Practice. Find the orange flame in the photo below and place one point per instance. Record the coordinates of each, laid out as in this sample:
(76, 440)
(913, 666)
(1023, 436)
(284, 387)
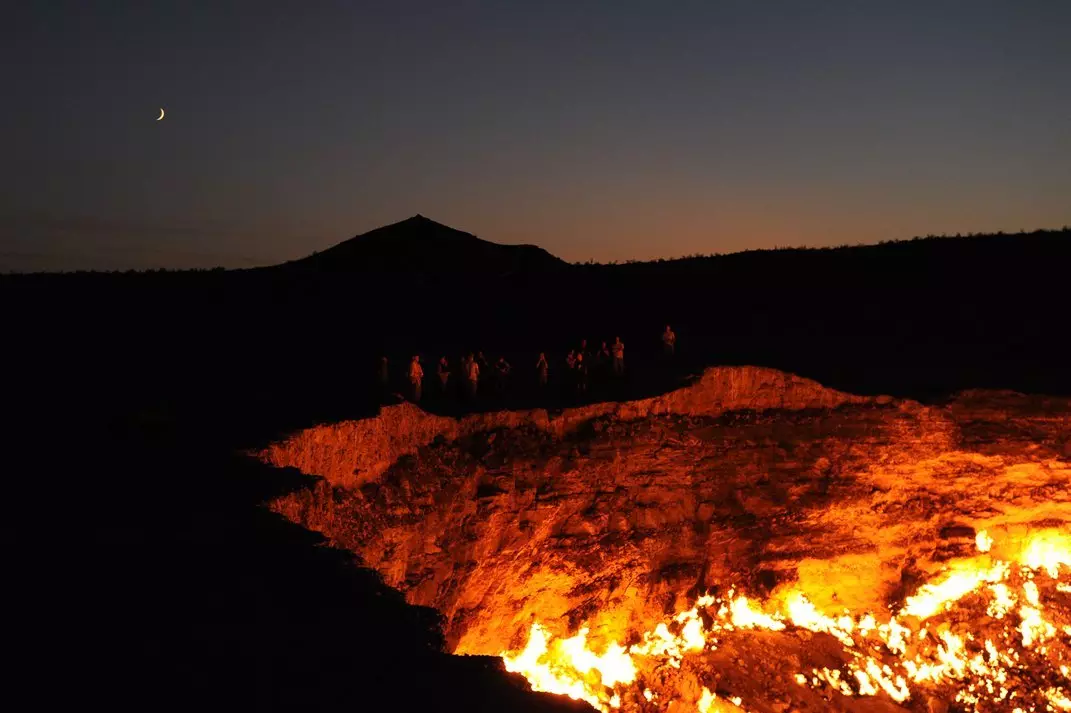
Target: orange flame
(885, 658)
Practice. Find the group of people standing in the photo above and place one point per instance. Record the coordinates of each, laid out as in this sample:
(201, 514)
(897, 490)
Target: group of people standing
(580, 365)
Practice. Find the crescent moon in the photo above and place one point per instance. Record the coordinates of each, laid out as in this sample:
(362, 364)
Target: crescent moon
(161, 114)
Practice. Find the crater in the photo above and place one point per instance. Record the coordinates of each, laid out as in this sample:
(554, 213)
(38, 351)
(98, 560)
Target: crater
(753, 541)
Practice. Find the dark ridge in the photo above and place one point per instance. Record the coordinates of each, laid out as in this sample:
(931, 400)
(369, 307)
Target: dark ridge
(421, 245)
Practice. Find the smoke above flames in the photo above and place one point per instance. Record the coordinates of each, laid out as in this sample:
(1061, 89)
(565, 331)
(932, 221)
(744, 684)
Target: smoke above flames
(989, 633)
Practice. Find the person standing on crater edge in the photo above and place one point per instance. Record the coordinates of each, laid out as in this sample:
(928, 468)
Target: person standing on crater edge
(384, 377)
(461, 382)
(602, 362)
(570, 370)
(502, 369)
(472, 374)
(618, 351)
(669, 341)
(416, 377)
(542, 369)
(581, 374)
(485, 367)
(444, 374)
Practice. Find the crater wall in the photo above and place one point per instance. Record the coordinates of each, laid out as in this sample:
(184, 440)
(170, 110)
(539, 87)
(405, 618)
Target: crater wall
(612, 514)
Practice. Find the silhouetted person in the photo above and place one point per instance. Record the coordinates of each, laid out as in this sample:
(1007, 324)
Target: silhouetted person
(444, 374)
(669, 342)
(463, 375)
(502, 369)
(416, 377)
(542, 370)
(485, 367)
(384, 376)
(569, 382)
(617, 349)
(581, 374)
(472, 376)
(602, 361)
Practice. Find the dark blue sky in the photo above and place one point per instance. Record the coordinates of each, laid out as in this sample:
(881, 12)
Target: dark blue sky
(613, 130)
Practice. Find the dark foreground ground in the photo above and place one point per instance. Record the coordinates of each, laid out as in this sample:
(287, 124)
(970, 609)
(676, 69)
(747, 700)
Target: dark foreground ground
(148, 576)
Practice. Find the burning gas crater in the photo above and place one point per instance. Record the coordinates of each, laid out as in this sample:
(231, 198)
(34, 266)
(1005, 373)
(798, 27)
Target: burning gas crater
(988, 634)
(753, 541)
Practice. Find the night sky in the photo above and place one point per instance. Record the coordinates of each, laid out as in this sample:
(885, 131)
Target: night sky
(607, 130)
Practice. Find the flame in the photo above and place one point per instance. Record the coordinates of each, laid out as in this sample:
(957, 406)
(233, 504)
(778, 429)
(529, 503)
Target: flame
(565, 666)
(744, 616)
(803, 614)
(613, 665)
(1048, 550)
(710, 703)
(932, 598)
(977, 660)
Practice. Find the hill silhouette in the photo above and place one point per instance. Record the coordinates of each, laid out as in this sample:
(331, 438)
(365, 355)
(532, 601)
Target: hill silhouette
(421, 245)
(300, 341)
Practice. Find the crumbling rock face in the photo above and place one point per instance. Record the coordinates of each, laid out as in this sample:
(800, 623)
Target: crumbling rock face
(613, 516)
